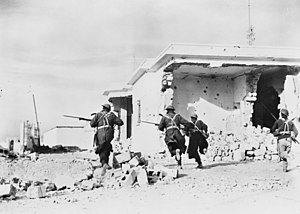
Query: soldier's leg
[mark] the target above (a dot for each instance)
(175, 151)
(283, 153)
(178, 158)
(198, 160)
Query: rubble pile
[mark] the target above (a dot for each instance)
(253, 143)
(134, 169)
(49, 175)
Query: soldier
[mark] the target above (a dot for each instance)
(198, 135)
(286, 132)
(104, 122)
(173, 138)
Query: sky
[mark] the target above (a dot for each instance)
(67, 52)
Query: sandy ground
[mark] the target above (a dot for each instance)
(245, 187)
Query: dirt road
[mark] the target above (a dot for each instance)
(245, 187)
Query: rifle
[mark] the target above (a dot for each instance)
(156, 124)
(80, 118)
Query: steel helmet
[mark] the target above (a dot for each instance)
(170, 107)
(107, 106)
(194, 116)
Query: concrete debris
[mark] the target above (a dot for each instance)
(64, 181)
(134, 162)
(134, 170)
(87, 185)
(123, 157)
(23, 185)
(129, 178)
(36, 191)
(142, 177)
(250, 144)
(7, 190)
(50, 186)
(239, 155)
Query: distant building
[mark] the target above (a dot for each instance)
(229, 87)
(69, 136)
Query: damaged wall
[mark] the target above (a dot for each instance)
(290, 98)
(211, 98)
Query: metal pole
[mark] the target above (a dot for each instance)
(37, 122)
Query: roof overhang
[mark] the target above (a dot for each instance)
(215, 56)
(121, 92)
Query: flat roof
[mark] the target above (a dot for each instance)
(217, 55)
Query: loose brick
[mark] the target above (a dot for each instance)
(36, 191)
(7, 190)
(130, 178)
(134, 161)
(142, 177)
(123, 157)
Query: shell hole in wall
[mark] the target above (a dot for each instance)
(265, 108)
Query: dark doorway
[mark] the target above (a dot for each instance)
(265, 109)
(126, 104)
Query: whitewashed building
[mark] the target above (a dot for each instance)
(229, 87)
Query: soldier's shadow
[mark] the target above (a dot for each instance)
(209, 166)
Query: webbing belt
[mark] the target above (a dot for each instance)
(172, 127)
(101, 127)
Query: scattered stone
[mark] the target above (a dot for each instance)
(134, 161)
(24, 185)
(129, 178)
(239, 155)
(8, 190)
(36, 191)
(126, 167)
(64, 181)
(98, 173)
(217, 158)
(123, 157)
(142, 177)
(87, 185)
(50, 187)
(117, 173)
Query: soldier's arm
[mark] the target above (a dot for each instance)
(274, 127)
(161, 124)
(118, 121)
(295, 130)
(204, 127)
(94, 121)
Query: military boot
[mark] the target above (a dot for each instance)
(285, 166)
(178, 159)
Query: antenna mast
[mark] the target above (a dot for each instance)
(250, 33)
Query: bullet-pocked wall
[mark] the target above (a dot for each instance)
(212, 98)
